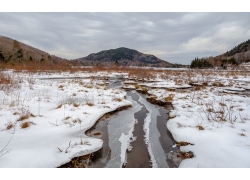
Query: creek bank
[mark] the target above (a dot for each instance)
(99, 158)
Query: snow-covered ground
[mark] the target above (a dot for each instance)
(214, 118)
(43, 122)
(216, 121)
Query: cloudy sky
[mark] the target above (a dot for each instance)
(174, 37)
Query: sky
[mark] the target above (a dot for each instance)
(175, 37)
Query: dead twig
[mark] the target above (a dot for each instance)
(67, 148)
(4, 151)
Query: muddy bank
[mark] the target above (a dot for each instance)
(154, 100)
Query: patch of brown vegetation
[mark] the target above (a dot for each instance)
(200, 127)
(75, 105)
(59, 106)
(23, 117)
(90, 104)
(185, 155)
(9, 125)
(153, 100)
(183, 143)
(170, 97)
(25, 125)
(97, 133)
(78, 162)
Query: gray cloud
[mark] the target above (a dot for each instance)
(174, 37)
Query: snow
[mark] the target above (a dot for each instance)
(59, 112)
(225, 140)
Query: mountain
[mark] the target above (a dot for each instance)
(124, 57)
(12, 51)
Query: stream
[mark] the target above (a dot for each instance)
(136, 137)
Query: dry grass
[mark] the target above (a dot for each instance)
(198, 88)
(59, 106)
(66, 118)
(200, 127)
(25, 125)
(23, 117)
(242, 134)
(171, 117)
(185, 155)
(183, 143)
(9, 125)
(75, 105)
(60, 87)
(117, 99)
(90, 104)
(15, 113)
(170, 97)
(218, 84)
(97, 133)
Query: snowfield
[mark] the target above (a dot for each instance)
(45, 121)
(215, 120)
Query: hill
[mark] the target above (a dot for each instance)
(236, 56)
(124, 57)
(242, 47)
(12, 52)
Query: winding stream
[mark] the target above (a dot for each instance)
(134, 138)
(137, 137)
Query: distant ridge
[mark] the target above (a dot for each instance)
(123, 56)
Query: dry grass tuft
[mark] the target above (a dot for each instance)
(90, 104)
(15, 113)
(59, 106)
(97, 133)
(68, 117)
(25, 125)
(170, 97)
(200, 127)
(218, 84)
(185, 155)
(183, 143)
(75, 105)
(117, 99)
(171, 117)
(23, 117)
(242, 134)
(9, 125)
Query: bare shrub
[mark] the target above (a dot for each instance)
(9, 125)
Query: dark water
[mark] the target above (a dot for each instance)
(102, 156)
(138, 157)
(166, 139)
